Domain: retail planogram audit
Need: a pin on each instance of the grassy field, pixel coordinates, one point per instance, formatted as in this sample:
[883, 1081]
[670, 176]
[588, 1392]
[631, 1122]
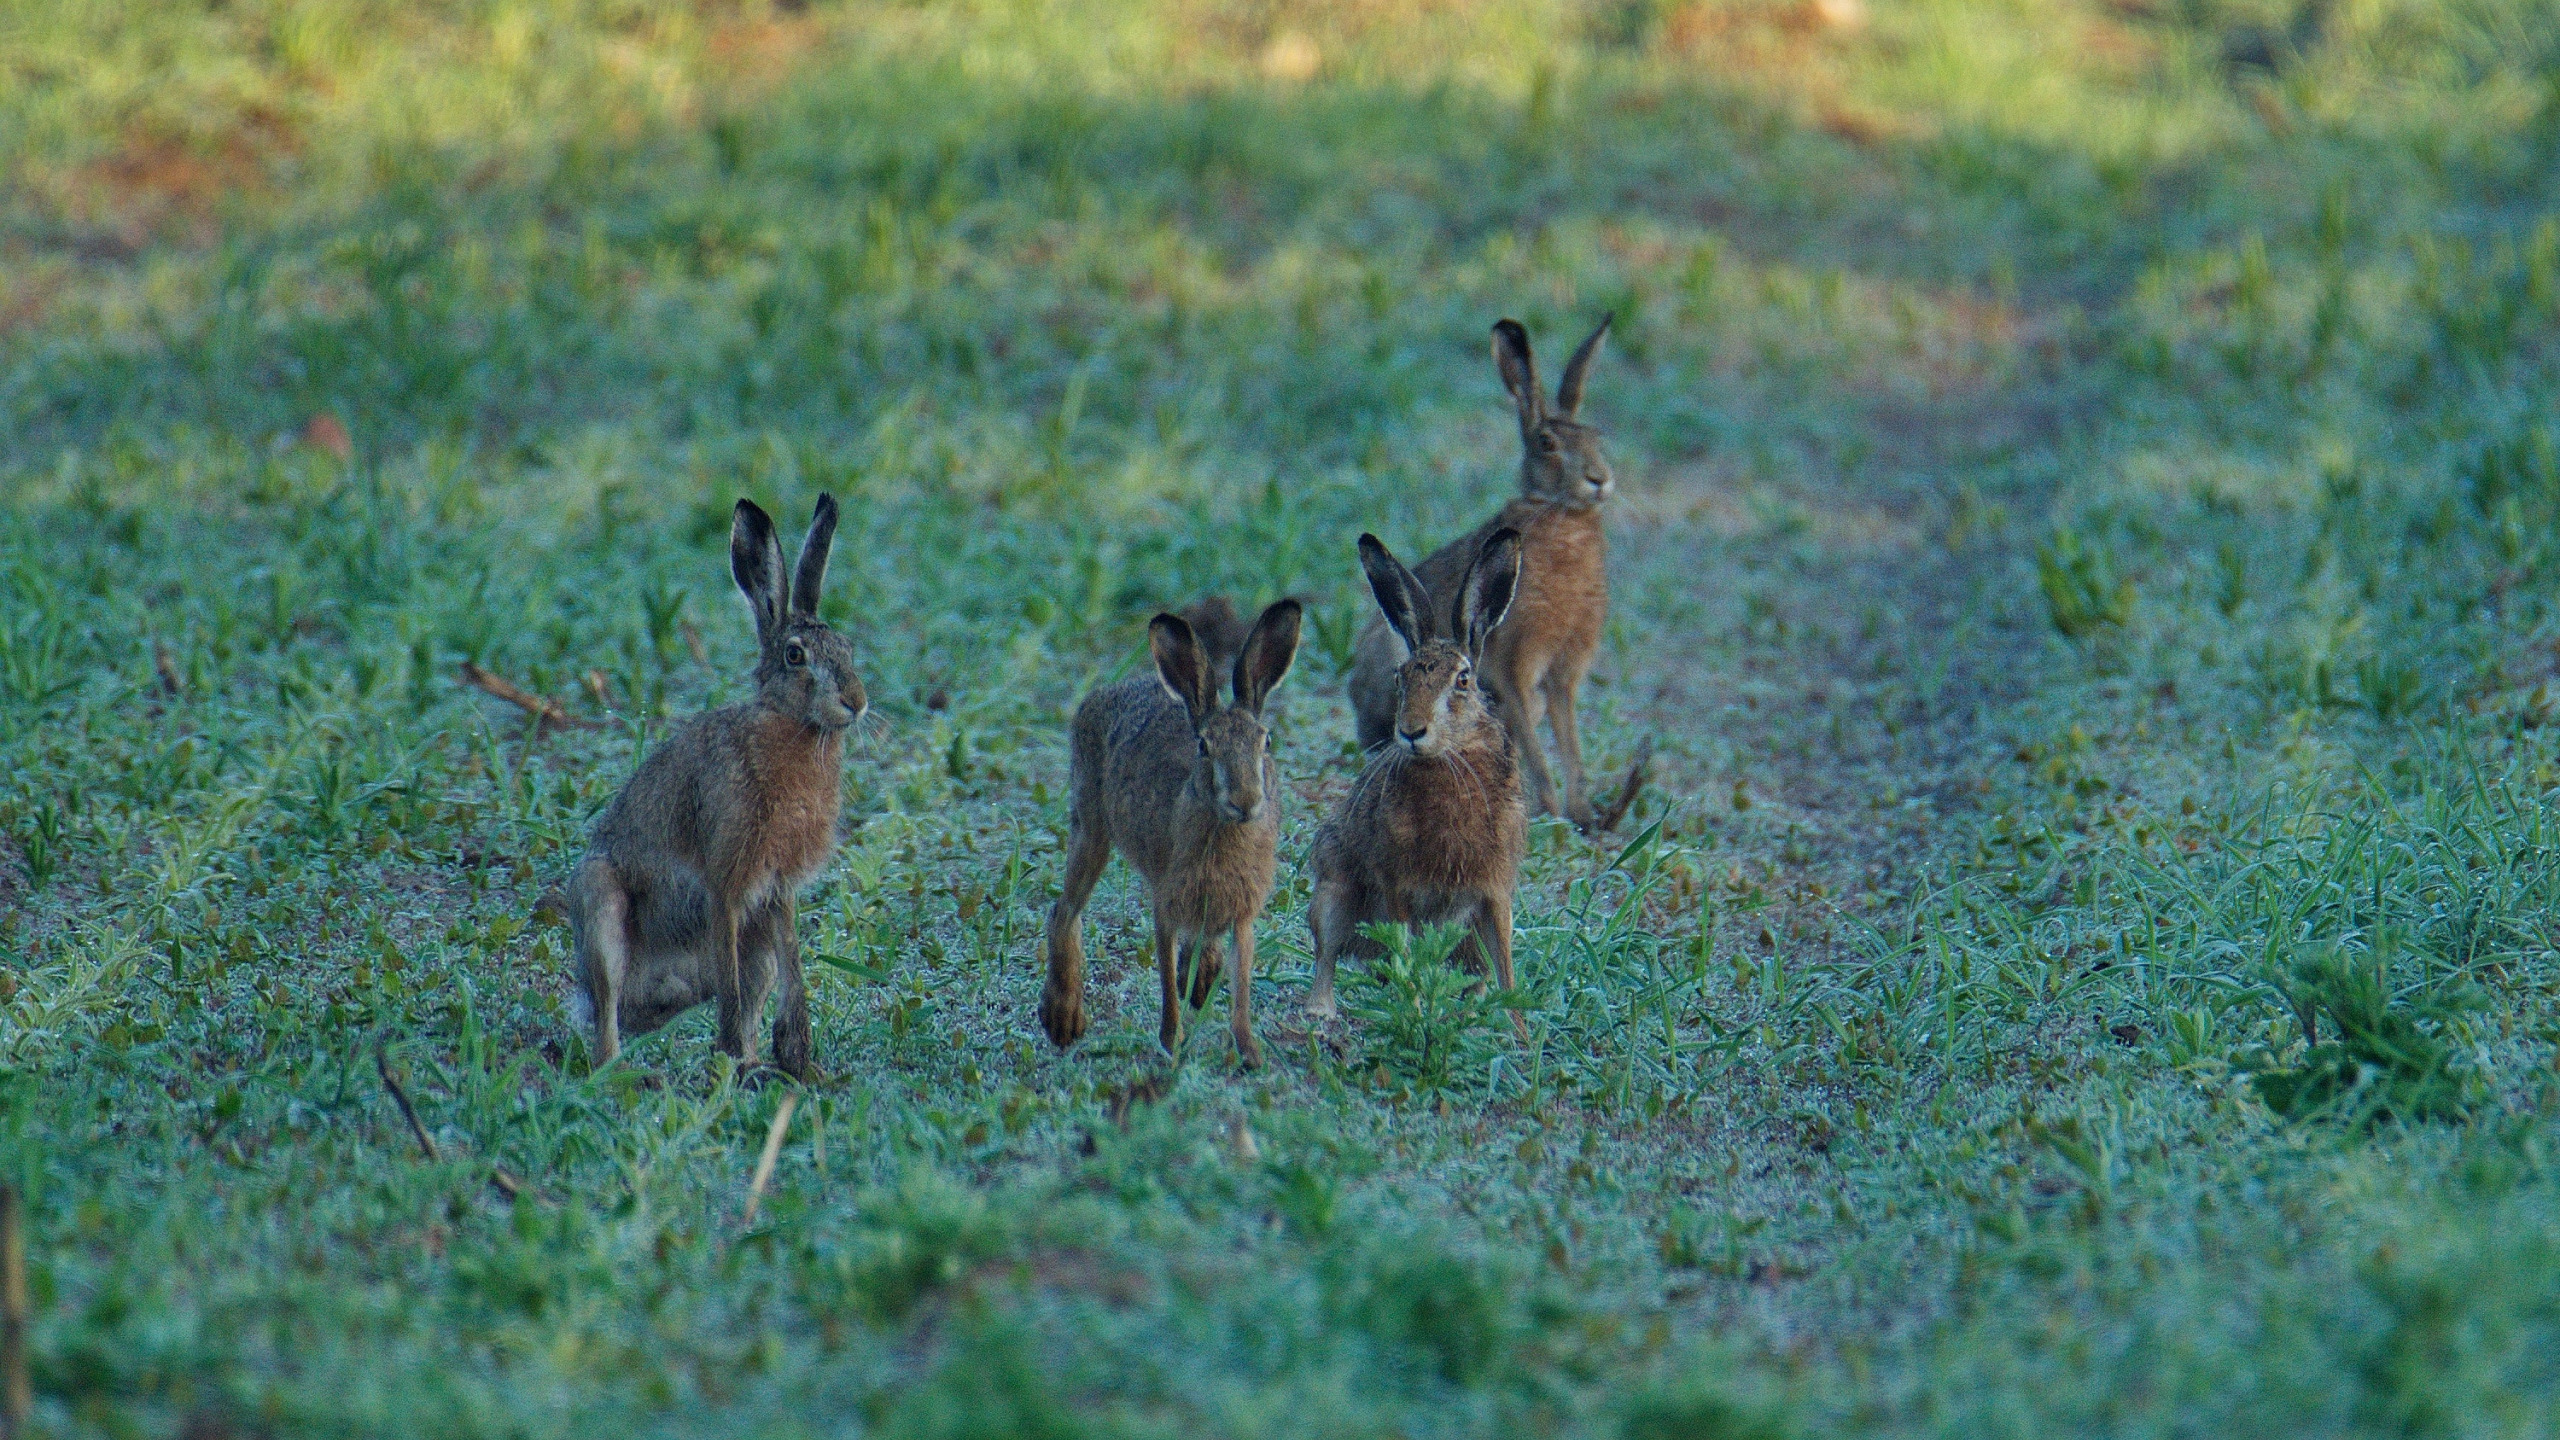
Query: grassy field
[2085, 555]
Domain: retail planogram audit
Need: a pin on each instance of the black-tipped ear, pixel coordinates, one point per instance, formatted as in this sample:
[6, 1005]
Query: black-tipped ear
[1266, 654]
[1519, 372]
[1181, 664]
[755, 560]
[1485, 596]
[1401, 597]
[1569, 390]
[811, 575]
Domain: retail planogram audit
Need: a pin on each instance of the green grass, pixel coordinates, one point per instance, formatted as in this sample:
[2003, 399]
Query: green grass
[2083, 561]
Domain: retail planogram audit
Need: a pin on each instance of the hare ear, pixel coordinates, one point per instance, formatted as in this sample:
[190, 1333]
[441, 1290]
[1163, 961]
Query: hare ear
[1180, 664]
[811, 575]
[1401, 598]
[1266, 655]
[1519, 373]
[1569, 390]
[1485, 597]
[755, 560]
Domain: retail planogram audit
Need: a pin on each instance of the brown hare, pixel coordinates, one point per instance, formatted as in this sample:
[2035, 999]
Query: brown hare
[1534, 664]
[1186, 788]
[688, 888]
[1433, 832]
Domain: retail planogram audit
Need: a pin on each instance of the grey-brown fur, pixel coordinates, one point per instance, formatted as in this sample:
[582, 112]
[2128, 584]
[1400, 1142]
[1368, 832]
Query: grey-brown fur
[1433, 832]
[1535, 662]
[688, 888]
[1185, 787]
[1221, 631]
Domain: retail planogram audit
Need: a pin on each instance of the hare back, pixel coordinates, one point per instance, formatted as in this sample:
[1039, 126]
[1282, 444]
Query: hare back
[1203, 875]
[743, 796]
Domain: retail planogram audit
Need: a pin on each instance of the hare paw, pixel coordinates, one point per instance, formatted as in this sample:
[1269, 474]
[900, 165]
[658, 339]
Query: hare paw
[1062, 1016]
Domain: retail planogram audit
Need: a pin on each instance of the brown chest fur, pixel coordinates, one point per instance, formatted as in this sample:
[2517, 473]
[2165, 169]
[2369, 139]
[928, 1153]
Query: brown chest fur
[795, 785]
[1451, 823]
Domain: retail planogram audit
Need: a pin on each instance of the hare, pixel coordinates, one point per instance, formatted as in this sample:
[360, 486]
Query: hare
[1186, 788]
[688, 887]
[1220, 630]
[1534, 664]
[1433, 832]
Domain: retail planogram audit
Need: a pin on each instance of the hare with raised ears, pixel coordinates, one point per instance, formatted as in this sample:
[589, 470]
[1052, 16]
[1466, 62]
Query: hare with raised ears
[1185, 787]
[688, 888]
[1535, 662]
[1433, 832]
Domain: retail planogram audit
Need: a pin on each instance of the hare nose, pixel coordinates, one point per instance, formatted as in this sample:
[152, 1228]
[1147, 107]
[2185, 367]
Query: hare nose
[1412, 737]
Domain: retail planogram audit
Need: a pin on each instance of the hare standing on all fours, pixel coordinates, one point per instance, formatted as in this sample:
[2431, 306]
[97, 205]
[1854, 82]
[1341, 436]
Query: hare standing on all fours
[1432, 832]
[1186, 788]
[689, 886]
[1534, 663]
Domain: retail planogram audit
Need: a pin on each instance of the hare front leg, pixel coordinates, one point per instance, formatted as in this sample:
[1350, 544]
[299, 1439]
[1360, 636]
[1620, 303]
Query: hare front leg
[791, 1040]
[760, 945]
[599, 917]
[1493, 939]
[726, 991]
[1168, 1029]
[1062, 995]
[1561, 686]
[1240, 1001]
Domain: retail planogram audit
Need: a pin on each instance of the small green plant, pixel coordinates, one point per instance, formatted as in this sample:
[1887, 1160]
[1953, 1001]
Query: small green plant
[2391, 1056]
[2231, 565]
[2519, 466]
[922, 1235]
[1424, 1018]
[2390, 687]
[2082, 591]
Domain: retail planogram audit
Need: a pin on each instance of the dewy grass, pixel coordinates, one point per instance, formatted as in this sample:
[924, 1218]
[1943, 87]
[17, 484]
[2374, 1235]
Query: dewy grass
[2080, 559]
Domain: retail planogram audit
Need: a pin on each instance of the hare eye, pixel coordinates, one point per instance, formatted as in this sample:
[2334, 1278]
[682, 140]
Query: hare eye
[795, 655]
[1549, 443]
[1466, 681]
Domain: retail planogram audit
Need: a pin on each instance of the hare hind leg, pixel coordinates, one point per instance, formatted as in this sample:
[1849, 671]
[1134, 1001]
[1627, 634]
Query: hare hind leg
[1520, 706]
[1333, 917]
[1062, 995]
[599, 921]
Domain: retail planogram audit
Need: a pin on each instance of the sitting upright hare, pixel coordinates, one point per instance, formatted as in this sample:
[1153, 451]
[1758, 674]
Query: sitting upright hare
[1535, 662]
[1433, 832]
[688, 888]
[1186, 788]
